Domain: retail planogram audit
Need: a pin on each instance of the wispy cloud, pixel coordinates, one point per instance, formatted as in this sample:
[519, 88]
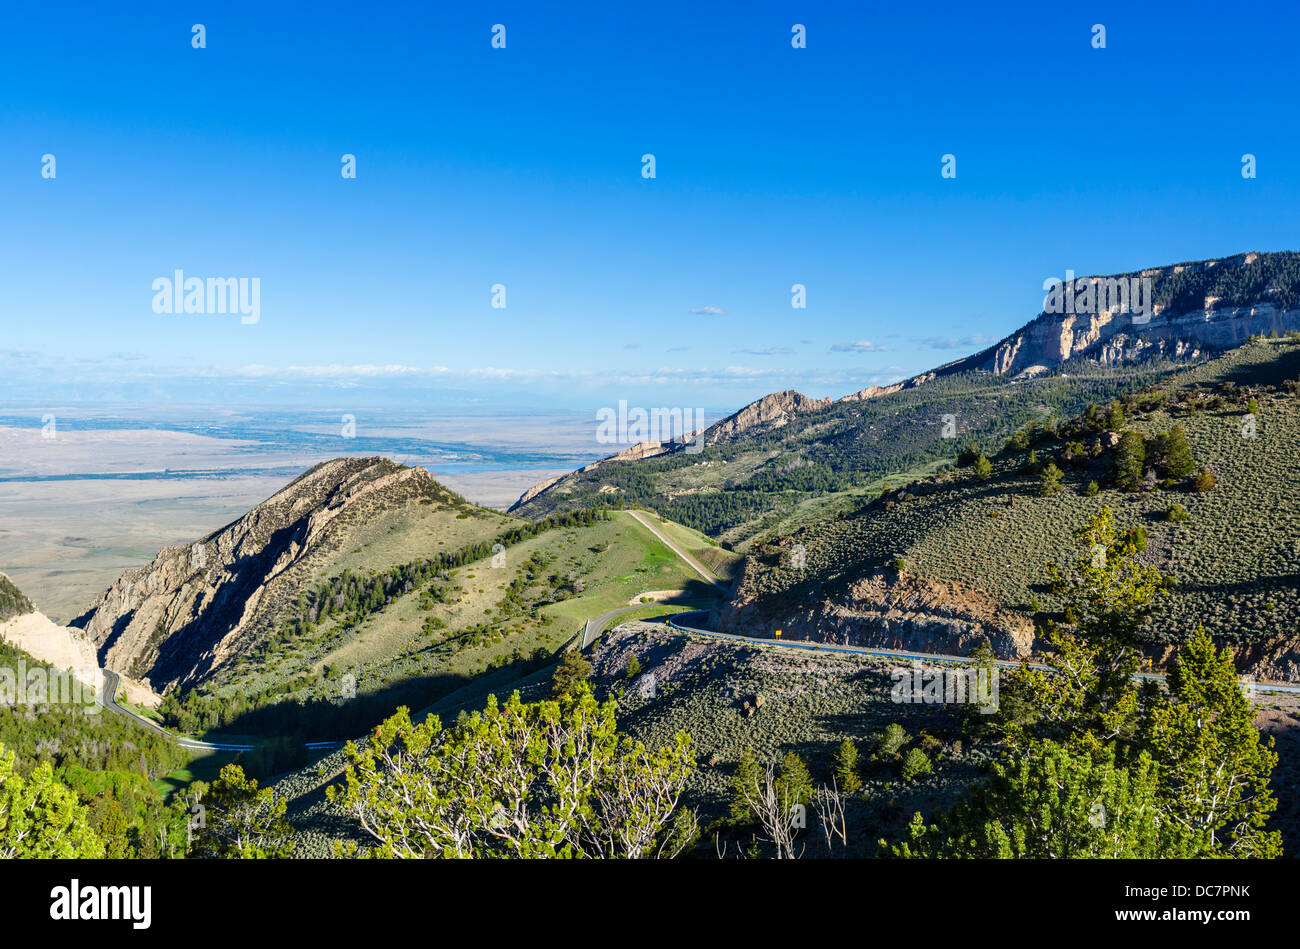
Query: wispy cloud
[861, 346]
[974, 341]
[766, 351]
[709, 310]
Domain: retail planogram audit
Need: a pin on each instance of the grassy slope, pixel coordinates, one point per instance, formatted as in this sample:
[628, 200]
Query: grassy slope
[768, 480]
[401, 651]
[1237, 558]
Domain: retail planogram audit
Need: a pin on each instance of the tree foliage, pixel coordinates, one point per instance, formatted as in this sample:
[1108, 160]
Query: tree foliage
[40, 817]
[544, 779]
[240, 821]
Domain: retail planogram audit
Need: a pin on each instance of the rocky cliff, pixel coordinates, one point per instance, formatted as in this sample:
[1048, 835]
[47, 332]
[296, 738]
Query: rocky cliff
[889, 611]
[195, 608]
[1205, 305]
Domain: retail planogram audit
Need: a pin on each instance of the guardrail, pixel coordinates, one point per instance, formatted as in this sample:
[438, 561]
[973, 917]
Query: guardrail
[1253, 685]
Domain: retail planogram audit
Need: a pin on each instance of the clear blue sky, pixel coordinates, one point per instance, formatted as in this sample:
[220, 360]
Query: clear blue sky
[521, 166]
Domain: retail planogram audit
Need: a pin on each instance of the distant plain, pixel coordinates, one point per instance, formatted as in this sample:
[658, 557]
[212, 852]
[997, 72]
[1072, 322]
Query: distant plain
[116, 483]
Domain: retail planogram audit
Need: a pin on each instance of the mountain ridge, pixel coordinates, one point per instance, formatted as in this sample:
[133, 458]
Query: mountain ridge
[1176, 331]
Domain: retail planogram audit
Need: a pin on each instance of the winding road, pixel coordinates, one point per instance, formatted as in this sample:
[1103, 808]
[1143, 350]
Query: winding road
[1255, 686]
[591, 632]
[112, 682]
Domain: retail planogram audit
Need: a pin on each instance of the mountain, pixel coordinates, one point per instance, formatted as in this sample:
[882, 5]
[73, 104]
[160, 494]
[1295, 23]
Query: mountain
[197, 609]
[951, 559]
[1209, 304]
[364, 585]
[786, 458]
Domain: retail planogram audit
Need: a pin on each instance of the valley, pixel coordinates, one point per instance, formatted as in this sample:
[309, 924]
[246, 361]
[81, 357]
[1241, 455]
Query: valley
[935, 521]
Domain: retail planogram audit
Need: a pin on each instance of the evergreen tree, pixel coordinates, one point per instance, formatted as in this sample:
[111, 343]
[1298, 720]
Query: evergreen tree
[1049, 482]
[915, 764]
[1130, 457]
[40, 817]
[527, 780]
[793, 782]
[242, 822]
[983, 469]
[746, 780]
[571, 676]
[1214, 767]
[846, 767]
[1177, 460]
[1054, 805]
[1115, 416]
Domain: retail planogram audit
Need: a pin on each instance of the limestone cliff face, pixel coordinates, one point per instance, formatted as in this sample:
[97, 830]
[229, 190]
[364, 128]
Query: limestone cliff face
[194, 608]
[886, 611]
[1113, 337]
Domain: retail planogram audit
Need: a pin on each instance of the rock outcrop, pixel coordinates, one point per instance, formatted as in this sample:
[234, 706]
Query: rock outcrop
[197, 607]
[889, 612]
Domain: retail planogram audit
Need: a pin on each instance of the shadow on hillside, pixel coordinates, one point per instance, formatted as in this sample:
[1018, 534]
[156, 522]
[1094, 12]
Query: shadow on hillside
[1285, 365]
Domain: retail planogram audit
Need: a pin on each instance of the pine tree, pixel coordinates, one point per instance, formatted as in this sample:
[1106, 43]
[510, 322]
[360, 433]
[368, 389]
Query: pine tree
[1115, 416]
[1177, 460]
[1130, 457]
[1054, 804]
[983, 469]
[572, 675]
[1049, 482]
[745, 784]
[40, 817]
[793, 782]
[846, 767]
[915, 764]
[1214, 767]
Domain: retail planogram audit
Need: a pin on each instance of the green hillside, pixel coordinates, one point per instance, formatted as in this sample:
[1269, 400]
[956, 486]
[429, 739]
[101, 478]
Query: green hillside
[408, 625]
[765, 479]
[1231, 547]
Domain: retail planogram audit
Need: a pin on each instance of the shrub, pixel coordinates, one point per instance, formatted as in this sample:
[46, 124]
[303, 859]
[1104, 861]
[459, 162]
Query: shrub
[1092, 490]
[915, 764]
[1137, 536]
[1176, 513]
[1204, 481]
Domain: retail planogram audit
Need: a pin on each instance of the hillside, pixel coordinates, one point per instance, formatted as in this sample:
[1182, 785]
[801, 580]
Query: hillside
[787, 459]
[364, 585]
[196, 610]
[952, 559]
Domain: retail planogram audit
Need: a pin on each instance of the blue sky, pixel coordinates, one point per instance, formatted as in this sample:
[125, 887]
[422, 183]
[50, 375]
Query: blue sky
[522, 166]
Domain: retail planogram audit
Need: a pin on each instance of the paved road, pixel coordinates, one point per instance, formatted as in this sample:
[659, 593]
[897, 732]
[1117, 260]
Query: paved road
[112, 682]
[898, 654]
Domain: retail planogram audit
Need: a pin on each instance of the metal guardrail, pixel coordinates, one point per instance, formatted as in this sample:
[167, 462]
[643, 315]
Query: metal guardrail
[1253, 685]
